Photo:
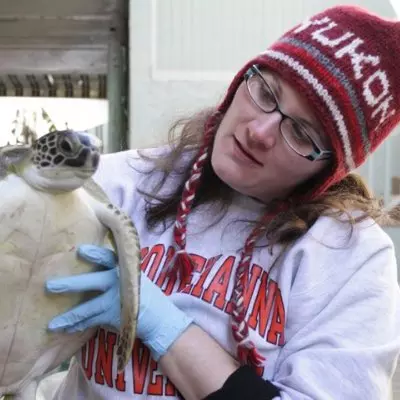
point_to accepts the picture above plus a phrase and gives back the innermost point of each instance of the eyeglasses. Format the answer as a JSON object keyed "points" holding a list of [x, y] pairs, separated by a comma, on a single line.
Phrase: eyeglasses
{"points": [[296, 134]]}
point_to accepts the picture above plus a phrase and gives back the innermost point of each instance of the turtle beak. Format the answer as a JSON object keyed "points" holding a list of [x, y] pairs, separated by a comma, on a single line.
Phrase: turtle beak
{"points": [[91, 141], [95, 159]]}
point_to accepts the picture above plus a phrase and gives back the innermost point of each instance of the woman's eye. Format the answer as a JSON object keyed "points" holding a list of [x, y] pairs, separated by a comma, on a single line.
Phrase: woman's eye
{"points": [[299, 133], [266, 94]]}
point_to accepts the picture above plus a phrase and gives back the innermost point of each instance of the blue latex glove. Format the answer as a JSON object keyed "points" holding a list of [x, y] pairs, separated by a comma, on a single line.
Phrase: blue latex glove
{"points": [[160, 322]]}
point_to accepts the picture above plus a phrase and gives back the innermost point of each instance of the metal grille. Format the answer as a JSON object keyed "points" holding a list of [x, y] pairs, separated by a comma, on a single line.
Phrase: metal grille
{"points": [[72, 86]]}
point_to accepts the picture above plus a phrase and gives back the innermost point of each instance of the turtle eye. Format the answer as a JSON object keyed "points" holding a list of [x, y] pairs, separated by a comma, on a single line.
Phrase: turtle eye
{"points": [[66, 146]]}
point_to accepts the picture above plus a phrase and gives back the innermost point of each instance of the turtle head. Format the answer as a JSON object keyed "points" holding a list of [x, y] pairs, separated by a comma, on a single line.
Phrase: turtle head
{"points": [[61, 161]]}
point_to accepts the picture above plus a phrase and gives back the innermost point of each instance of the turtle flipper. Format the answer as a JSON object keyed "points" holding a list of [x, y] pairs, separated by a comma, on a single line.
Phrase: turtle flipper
{"points": [[128, 251], [12, 155], [126, 243]]}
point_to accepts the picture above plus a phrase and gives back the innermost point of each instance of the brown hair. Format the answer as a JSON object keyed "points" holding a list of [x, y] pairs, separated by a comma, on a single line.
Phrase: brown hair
{"points": [[350, 194]]}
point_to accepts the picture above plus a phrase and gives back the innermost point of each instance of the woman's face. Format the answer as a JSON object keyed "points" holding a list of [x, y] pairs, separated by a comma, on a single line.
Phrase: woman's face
{"points": [[251, 155]]}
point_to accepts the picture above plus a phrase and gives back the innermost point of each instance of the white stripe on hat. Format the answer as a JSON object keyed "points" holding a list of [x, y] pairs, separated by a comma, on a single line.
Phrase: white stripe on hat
{"points": [[323, 93]]}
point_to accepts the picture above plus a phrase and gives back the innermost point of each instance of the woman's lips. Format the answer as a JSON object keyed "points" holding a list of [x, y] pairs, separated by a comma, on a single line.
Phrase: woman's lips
{"points": [[246, 154]]}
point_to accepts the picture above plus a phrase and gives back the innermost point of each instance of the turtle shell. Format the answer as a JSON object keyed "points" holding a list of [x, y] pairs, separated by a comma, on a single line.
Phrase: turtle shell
{"points": [[39, 235]]}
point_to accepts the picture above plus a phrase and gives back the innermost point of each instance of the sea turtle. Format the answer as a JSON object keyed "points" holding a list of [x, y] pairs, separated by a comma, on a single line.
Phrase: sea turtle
{"points": [[49, 205]]}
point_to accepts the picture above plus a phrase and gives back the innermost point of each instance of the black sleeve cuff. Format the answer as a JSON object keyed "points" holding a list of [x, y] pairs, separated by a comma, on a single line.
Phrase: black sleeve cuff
{"points": [[245, 384]]}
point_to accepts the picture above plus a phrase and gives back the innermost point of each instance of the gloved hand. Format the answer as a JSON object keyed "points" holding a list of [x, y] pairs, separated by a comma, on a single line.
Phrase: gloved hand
{"points": [[160, 322]]}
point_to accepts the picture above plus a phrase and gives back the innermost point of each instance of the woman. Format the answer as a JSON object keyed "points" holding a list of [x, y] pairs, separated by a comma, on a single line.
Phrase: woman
{"points": [[266, 274]]}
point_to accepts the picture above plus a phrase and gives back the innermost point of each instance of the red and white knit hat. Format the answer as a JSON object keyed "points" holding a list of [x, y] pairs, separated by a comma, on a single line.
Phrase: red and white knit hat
{"points": [[343, 60]]}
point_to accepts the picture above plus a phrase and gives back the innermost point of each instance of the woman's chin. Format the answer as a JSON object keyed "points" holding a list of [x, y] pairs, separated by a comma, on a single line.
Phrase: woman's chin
{"points": [[233, 177]]}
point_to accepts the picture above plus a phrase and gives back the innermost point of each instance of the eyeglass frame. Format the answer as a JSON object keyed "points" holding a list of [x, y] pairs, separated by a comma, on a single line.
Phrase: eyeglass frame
{"points": [[318, 154]]}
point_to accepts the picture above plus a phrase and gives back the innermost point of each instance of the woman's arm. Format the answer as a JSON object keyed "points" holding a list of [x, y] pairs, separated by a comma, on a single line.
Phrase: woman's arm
{"points": [[201, 369], [196, 364]]}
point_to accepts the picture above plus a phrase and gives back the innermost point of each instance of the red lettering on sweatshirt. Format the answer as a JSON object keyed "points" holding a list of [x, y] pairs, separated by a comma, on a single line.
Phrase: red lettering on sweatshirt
{"points": [[153, 258], [276, 333], [262, 298], [87, 356], [218, 288], [198, 287], [104, 360], [140, 364], [260, 313], [120, 383]]}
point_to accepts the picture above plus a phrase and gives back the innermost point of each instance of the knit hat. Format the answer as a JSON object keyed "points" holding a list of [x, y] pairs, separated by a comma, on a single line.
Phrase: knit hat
{"points": [[343, 60]]}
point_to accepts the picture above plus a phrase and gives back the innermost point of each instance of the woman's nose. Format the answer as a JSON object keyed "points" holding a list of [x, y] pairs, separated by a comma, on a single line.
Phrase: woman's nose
{"points": [[264, 129]]}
